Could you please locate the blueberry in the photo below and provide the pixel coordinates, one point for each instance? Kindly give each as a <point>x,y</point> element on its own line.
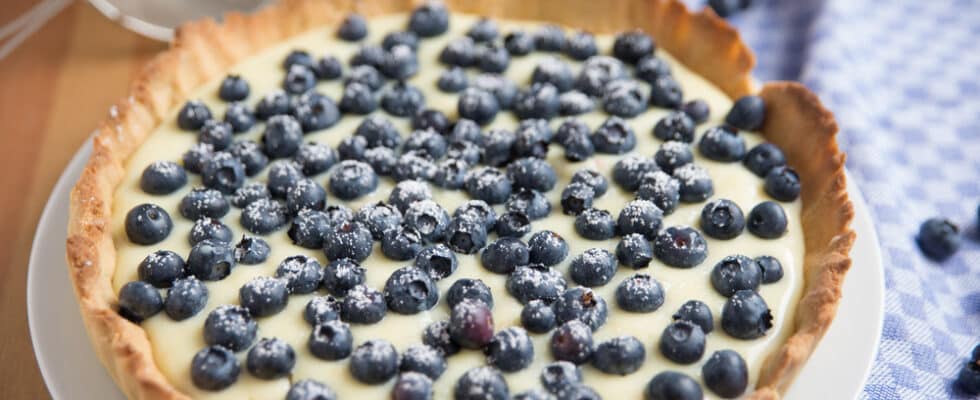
<point>621,355</point>
<point>725,8</point>
<point>264,216</point>
<point>538,317</point>
<point>594,267</point>
<point>969,376</point>
<point>763,158</point>
<point>639,216</point>
<point>505,254</point>
<point>321,309</point>
<point>402,100</point>
<point>353,28</point>
<point>634,251</point>
<point>483,30</point>
<point>672,155</point>
<point>352,179</point>
<point>315,158</point>
<point>358,98</point>
<point>315,111</point>
<point>695,183</point>
<point>297,57</point>
<point>734,273</point>
<point>580,46</point>
<point>549,37</point>
<point>748,113</point>
<point>185,298</point>
<point>161,268</point>
<point>429,19</point>
<point>299,79</point>
<point>640,293</point>
<point>631,46</point>
<point>491,57</point>
<point>503,88</point>
<point>301,273</point>
<point>194,159</point>
<point>403,38</point>
<point>451,173</point>
<point>623,98</point>
<point>308,389</point>
<point>250,154</point>
<point>469,289</point>
<point>531,139</point>
<point>466,235</point>
<point>560,375</point>
<point>282,175</point>
<point>378,217</point>
<point>428,218</point>
<point>670,385</point>
<point>231,327</point>
<point>427,143</point>
<point>595,224</point>
<point>223,173</point>
<point>481,383</point>
<point>423,359</point>
<point>139,300</point>
<point>412,386</point>
<point>726,374</point>
<point>251,251</point>
<point>414,165</point>
<point>677,126</point>
<point>510,350</point>
<point>478,105</point>
<point>249,193</point>
<point>665,92</point>
<point>513,224</point>
<point>698,110</point>
<point>529,202</point>
<point>488,184</point>
<point>531,394</point>
<point>365,63</point>
<point>330,340</point>
<point>282,136</point>
<point>582,304</point>
<point>782,183</point>
<point>193,115</point>
<point>163,177</point>
<point>572,342</point>
<point>746,315</point>
<point>203,202</point>
<point>938,238</point>
<point>535,282</point>
<point>431,119</point>
<point>264,296</point>
<point>363,305</point>
<point>696,312</point>
<point>478,210</point>
<point>327,68</point>
<point>651,67</point>
<point>273,103</point>
<point>148,224</point>
<point>210,260</point>
<point>532,173</point>
<point>576,198</point>
<point>722,219</point>
<point>722,144</point>
<point>772,269</point>
<point>407,192</point>
<point>680,247</point>
<point>453,80</point>
<point>540,100</point>
<point>233,88</point>
<point>592,179</point>
<point>410,290</point>
<point>341,275</point>
<point>497,147</point>
<point>554,71</point>
<point>574,102</point>
<point>378,131</point>
<point>214,368</point>
<point>459,52</point>
<point>352,148</point>
<point>437,336</point>
<point>308,228</point>
<point>207,228</point>
<point>547,247</point>
<point>597,72</point>
<point>767,220</point>
<point>239,116</point>
<point>348,240</point>
<point>682,342</point>
<point>471,324</point>
<point>614,136</point>
<point>519,43</point>
<point>270,359</point>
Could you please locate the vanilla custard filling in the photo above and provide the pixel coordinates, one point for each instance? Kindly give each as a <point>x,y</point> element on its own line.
<point>174,343</point>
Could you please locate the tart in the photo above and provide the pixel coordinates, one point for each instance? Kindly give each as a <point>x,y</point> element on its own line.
<point>375,199</point>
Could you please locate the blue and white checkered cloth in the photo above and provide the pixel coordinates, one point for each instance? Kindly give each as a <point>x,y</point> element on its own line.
<point>903,79</point>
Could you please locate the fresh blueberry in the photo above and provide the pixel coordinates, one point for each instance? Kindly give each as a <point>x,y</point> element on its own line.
<point>352,179</point>
<point>488,184</point>
<point>437,336</point>
<point>414,165</point>
<point>595,224</point>
<point>682,342</point>
<point>535,282</point>
<point>471,324</point>
<point>530,202</point>
<point>410,290</point>
<point>639,216</point>
<point>363,305</point>
<point>469,289</point>
<point>531,139</point>
<point>374,362</point>
<point>451,173</point>
<point>497,147</point>
<point>382,159</point>
<point>772,269</point>
<point>505,254</point>
<point>223,173</point>
<point>763,158</point>
<point>341,275</point>
<point>726,374</point>
<point>493,58</point>
<point>722,219</point>
<point>695,183</point>
<point>250,154</point>
<point>510,350</point>
<point>358,98</point>
<point>614,136</point>
<point>665,92</point>
<point>299,79</point>
<point>315,158</point>
<point>308,228</point>
<point>407,192</point>
<point>283,174</point>
<point>640,293</point>
<point>378,131</point>
<point>148,224</point>
<point>431,119</point>
<point>207,228</point>
<point>233,88</point>
<point>308,389</point>
<point>321,309</point>
<point>554,71</point>
<point>273,103</point>
<point>302,274</point>
<point>624,98</point>
<point>782,183</point>
<point>249,193</point>
<point>297,57</point>
<point>538,317</point>
<point>353,28</point>
<point>378,217</point>
<point>348,240</point>
<point>195,157</point>
<point>938,238</point>
<point>330,340</point>
<point>477,105</point>
<point>328,68</point>
<point>163,177</point>
<point>572,342</point>
<point>748,113</point>
<point>547,247</point>
<point>633,45</point>
<point>161,268</point>
<point>466,235</point>
<point>427,218</point>
<point>214,368</point>
<point>282,136</point>
<point>264,216</point>
<point>550,38</point>
<point>696,312</point>
<point>680,247</point>
<point>540,100</point>
<point>734,273</point>
<point>193,115</point>
<point>677,126</point>
<point>722,144</point>
<point>582,304</point>
<point>139,300</point>
<point>423,359</point>
<point>453,80</point>
<point>481,383</point>
<point>581,45</point>
<point>594,267</point>
<point>412,386</point>
<point>634,251</point>
<point>203,202</point>
<point>519,43</point>
<point>503,88</point>
<point>402,100</point>
<point>352,148</point>
<point>670,385</point>
<point>270,359</point>
<point>746,315</point>
<point>404,38</point>
<point>459,52</point>
<point>767,220</point>
<point>239,116</point>
<point>698,110</point>
<point>725,8</point>
<point>315,111</point>
<point>231,327</point>
<point>591,178</point>
<point>429,19</point>
<point>478,210</point>
<point>264,296</point>
<point>513,224</point>
<point>427,143</point>
<point>576,198</point>
<point>621,355</point>
<point>371,56</point>
<point>251,251</point>
<point>532,173</point>
<point>558,376</point>
<point>574,102</point>
<point>651,67</point>
<point>672,155</point>
<point>483,30</point>
<point>969,376</point>
<point>597,72</point>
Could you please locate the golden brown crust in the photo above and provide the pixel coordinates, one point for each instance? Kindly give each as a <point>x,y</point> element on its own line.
<point>203,50</point>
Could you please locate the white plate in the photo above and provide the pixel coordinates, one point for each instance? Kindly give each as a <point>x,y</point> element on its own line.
<point>71,370</point>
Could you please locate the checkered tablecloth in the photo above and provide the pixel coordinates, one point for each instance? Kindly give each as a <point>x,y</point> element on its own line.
<point>903,78</point>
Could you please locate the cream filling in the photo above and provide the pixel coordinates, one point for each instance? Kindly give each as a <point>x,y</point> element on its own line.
<point>175,343</point>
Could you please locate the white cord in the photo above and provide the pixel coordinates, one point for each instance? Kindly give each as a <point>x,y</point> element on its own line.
<point>27,24</point>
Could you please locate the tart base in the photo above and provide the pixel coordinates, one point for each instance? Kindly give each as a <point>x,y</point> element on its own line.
<point>203,50</point>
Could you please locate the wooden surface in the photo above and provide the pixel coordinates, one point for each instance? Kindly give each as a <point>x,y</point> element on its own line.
<point>53,91</point>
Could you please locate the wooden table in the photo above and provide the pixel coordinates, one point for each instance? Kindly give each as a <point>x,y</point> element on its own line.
<point>53,91</point>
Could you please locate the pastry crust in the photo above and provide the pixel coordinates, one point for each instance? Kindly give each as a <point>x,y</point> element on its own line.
<point>203,50</point>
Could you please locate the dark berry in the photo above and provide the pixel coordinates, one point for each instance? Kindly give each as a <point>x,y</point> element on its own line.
<point>594,267</point>
<point>549,37</point>
<point>772,269</point>
<point>503,88</point>
<point>427,218</point>
<point>423,359</point>
<point>251,251</point>
<point>353,28</point>
<point>513,224</point>
<point>139,300</point>
<point>315,111</point>
<point>402,100</point>
<point>308,389</point>
<point>282,136</point>
<point>969,376</point>
<point>373,362</point>
<point>283,175</point>
<point>651,67</point>
<point>698,110</point>
<point>352,148</point>
<point>624,98</point>
<point>163,177</point>
<point>273,103</point>
<point>299,79</point>
<point>763,158</point>
<point>301,273</point>
<point>471,324</point>
<point>297,57</point>
<point>576,198</point>
<point>722,144</point>
<point>363,305</point>
<point>223,173</point>
<point>493,58</point>
<point>233,88</point>
<point>938,238</point>
<point>469,289</point>
<point>210,260</point>
<point>505,254</point>
<point>540,100</point>
<point>378,217</point>
<point>358,98</point>
<point>531,394</point>
<point>477,105</point>
<point>510,350</point>
<point>574,102</point>
<point>437,336</point>
<point>782,183</point>
<point>670,385</point>
<point>734,273</point>
<point>414,165</point>
<point>429,19</point>
<point>231,327</point>
<point>621,355</point>
<point>632,46</point>
<point>558,376</point>
<point>634,251</point>
<point>308,228</point>
<point>240,117</point>
<point>431,119</point>
<point>695,183</point>
<point>321,309</point>
<point>264,296</point>
<point>264,216</point>
<point>404,38</point>
<point>330,340</point>
<point>479,210</point>
<point>459,52</point>
<point>207,228</point>
<point>483,30</point>
<point>547,247</point>
<point>497,147</point>
<point>593,179</point>
<point>412,386</point>
<point>676,126</point>
<point>161,268</point>
<point>665,92</point>
<point>682,342</point>
<point>451,173</point>
<point>748,113</point>
<point>203,202</point>
<point>746,315</point>
<point>672,155</point>
<point>554,71</point>
<point>582,304</point>
<point>726,374</point>
<point>488,184</point>
<point>348,240</point>
<point>538,317</point>
<point>535,282</point>
<point>193,115</point>
<point>249,193</point>
<point>327,68</point>
<point>639,216</point>
<point>595,224</point>
<point>382,159</point>
<point>407,192</point>
<point>148,224</point>
<point>530,202</point>
<point>767,220</point>
<point>453,80</point>
<point>352,179</point>
<point>519,43</point>
<point>426,143</point>
<point>378,131</point>
<point>680,247</point>
<point>194,159</point>
<point>722,219</point>
<point>640,293</point>
<point>370,56</point>
<point>271,359</point>
<point>410,290</point>
<point>572,342</point>
<point>466,235</point>
<point>597,72</point>
<point>481,383</point>
<point>531,139</point>
<point>581,45</point>
<point>250,154</point>
<point>342,275</point>
<point>614,136</point>
<point>186,297</point>
<point>214,368</point>
<point>696,312</point>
